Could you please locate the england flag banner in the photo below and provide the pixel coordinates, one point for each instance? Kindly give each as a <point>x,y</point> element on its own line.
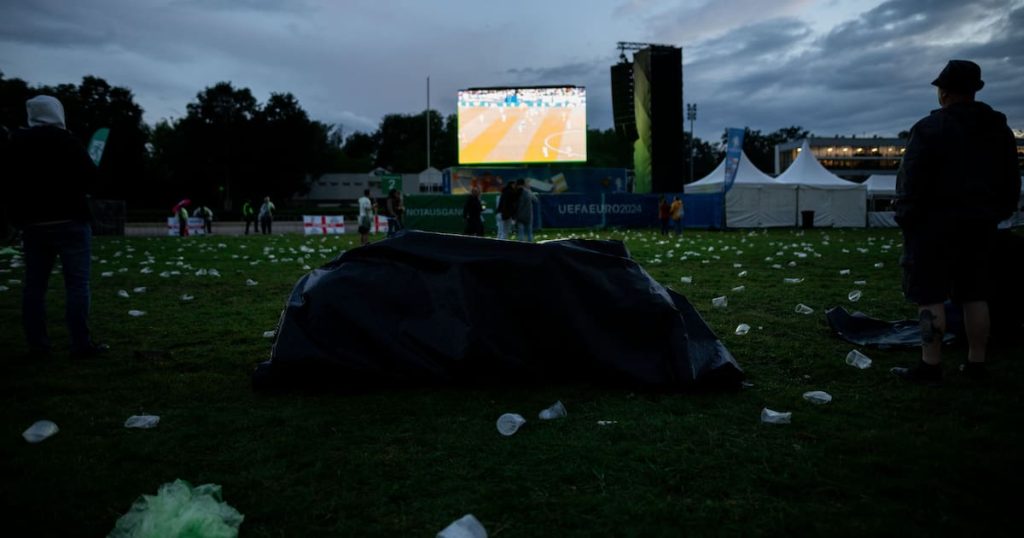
<point>195,226</point>
<point>323,224</point>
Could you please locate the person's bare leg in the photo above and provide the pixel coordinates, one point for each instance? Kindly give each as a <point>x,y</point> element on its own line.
<point>978,324</point>
<point>933,326</point>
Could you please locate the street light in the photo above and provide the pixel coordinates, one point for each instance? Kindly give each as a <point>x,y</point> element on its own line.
<point>691,114</point>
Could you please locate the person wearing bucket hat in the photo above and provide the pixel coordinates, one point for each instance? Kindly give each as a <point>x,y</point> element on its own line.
<point>959,177</point>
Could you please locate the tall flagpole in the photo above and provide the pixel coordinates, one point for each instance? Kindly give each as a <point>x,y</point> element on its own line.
<point>428,121</point>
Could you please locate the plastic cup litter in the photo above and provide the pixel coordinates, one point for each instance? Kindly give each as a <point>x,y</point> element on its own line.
<point>742,329</point>
<point>803,309</point>
<point>269,334</point>
<point>468,526</point>
<point>738,289</point>
<point>122,293</point>
<point>557,410</point>
<point>854,296</point>
<point>775,417</point>
<point>720,302</point>
<point>858,359</point>
<point>686,279</point>
<point>509,423</point>
<point>818,397</point>
<point>39,431</point>
<point>144,422</point>
<point>136,313</point>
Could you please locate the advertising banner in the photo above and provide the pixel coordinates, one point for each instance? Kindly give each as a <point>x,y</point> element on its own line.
<point>590,210</point>
<point>733,151</point>
<point>542,179</point>
<point>444,213</point>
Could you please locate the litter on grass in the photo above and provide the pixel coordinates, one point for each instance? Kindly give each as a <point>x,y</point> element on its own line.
<point>465,527</point>
<point>178,509</point>
<point>143,422</point>
<point>39,431</point>
<point>818,397</point>
<point>742,329</point>
<point>509,423</point>
<point>775,417</point>
<point>557,410</point>
<point>857,359</point>
<point>803,309</point>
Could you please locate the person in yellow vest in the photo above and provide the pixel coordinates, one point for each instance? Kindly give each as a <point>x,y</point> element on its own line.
<point>249,215</point>
<point>676,210</point>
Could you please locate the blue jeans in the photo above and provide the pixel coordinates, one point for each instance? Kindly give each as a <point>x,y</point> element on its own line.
<point>524,231</point>
<point>72,241</point>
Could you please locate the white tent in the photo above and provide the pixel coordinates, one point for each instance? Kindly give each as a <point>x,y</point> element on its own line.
<point>881,186</point>
<point>755,199</point>
<point>835,201</point>
<point>881,192</point>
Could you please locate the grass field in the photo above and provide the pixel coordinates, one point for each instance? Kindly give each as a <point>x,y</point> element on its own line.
<point>883,458</point>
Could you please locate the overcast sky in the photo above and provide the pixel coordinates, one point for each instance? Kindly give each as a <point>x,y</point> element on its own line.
<point>832,66</point>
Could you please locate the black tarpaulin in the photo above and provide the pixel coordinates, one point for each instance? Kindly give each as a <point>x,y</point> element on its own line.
<point>863,330</point>
<point>426,309</point>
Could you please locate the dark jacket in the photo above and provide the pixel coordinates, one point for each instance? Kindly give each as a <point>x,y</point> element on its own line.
<point>507,203</point>
<point>960,168</point>
<point>48,176</point>
<point>472,210</point>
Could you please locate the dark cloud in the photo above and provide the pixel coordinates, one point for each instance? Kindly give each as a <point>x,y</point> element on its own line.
<point>870,75</point>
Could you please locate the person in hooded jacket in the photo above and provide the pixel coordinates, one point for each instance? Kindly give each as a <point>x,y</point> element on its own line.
<point>51,174</point>
<point>958,179</point>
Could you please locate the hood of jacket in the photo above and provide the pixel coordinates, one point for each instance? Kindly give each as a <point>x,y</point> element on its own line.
<point>45,110</point>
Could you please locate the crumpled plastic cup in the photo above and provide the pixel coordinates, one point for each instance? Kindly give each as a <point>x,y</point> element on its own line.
<point>557,410</point>
<point>803,309</point>
<point>136,313</point>
<point>792,280</point>
<point>858,359</point>
<point>818,397</point>
<point>39,431</point>
<point>269,334</point>
<point>509,423</point>
<point>854,296</point>
<point>144,422</point>
<point>122,293</point>
<point>686,279</point>
<point>742,329</point>
<point>775,417</point>
<point>468,526</point>
<point>720,302</point>
<point>738,289</point>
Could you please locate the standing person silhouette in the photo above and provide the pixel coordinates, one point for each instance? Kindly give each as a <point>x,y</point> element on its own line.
<point>959,178</point>
<point>52,174</point>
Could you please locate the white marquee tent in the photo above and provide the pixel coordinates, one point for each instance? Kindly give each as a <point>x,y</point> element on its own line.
<point>881,186</point>
<point>881,191</point>
<point>835,201</point>
<point>755,199</point>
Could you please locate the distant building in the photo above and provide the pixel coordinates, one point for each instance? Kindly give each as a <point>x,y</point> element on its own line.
<point>337,190</point>
<point>857,158</point>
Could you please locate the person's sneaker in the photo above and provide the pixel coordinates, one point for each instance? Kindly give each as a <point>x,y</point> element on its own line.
<point>974,370</point>
<point>92,352</point>
<point>921,373</point>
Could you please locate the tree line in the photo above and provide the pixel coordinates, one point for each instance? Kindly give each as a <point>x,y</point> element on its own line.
<point>230,147</point>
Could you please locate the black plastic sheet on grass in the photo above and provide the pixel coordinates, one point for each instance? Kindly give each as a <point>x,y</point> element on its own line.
<point>424,309</point>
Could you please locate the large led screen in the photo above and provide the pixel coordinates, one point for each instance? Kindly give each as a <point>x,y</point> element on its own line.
<point>522,125</point>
